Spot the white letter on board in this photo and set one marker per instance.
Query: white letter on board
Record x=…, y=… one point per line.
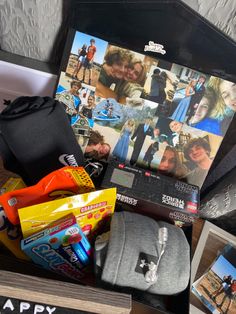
x=9, y=305
x=24, y=306
x=50, y=311
x=38, y=309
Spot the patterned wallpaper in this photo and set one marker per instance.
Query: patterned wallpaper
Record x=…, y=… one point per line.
x=31, y=27
x=222, y=13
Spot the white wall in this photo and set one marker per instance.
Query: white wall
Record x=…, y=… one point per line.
x=30, y=27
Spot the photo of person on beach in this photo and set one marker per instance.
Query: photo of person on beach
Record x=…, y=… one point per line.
x=85, y=58
x=87, y=62
x=82, y=52
x=216, y=289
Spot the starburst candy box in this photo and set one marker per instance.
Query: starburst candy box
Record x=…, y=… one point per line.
x=62, y=248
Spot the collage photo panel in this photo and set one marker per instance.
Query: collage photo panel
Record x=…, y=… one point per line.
x=199, y=102
x=142, y=111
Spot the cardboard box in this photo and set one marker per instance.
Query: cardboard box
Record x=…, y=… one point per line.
x=62, y=248
x=153, y=193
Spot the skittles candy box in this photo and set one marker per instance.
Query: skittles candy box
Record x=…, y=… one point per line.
x=62, y=248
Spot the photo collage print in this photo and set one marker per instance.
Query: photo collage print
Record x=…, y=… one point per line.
x=144, y=111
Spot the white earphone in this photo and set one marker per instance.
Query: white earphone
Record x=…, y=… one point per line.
x=151, y=275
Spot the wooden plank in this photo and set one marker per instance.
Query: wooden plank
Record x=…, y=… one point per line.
x=197, y=229
x=63, y=294
x=15, y=306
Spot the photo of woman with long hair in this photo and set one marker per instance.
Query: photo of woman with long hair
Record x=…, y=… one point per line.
x=170, y=163
x=120, y=151
x=122, y=75
x=226, y=101
x=132, y=84
x=180, y=112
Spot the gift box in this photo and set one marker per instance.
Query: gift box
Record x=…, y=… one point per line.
x=133, y=26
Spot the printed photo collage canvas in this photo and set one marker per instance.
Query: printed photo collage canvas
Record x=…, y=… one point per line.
x=139, y=110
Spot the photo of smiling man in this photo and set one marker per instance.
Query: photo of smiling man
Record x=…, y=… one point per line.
x=197, y=151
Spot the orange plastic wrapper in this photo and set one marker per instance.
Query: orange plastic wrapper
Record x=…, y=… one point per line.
x=61, y=183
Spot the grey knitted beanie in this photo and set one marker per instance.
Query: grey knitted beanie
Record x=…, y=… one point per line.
x=134, y=249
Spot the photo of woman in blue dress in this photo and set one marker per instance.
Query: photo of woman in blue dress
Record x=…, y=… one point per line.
x=181, y=111
x=120, y=151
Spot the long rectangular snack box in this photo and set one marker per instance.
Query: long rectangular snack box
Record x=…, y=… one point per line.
x=153, y=193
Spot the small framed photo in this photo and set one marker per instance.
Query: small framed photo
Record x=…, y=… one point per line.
x=213, y=278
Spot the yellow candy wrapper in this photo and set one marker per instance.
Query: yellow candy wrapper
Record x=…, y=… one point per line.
x=89, y=209
x=10, y=235
x=12, y=184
